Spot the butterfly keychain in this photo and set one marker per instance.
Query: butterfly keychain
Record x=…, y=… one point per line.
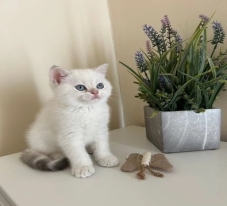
x=147, y=161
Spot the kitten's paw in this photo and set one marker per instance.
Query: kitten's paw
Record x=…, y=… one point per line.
x=109, y=161
x=83, y=171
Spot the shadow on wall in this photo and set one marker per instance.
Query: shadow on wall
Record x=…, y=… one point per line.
x=91, y=47
x=18, y=102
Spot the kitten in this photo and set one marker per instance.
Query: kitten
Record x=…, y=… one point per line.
x=75, y=118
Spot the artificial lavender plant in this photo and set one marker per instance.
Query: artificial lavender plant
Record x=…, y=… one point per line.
x=173, y=75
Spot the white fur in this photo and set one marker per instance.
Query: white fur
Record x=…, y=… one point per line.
x=74, y=119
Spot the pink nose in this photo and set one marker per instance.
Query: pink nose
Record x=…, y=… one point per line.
x=94, y=91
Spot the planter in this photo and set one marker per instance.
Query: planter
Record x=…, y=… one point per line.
x=183, y=131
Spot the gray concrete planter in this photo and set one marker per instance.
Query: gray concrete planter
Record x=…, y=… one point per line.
x=183, y=131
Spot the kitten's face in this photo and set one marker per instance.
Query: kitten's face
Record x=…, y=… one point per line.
x=81, y=86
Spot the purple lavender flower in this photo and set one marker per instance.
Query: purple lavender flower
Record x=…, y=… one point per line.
x=163, y=22
x=140, y=61
x=219, y=33
x=178, y=41
x=172, y=35
x=156, y=39
x=149, y=31
x=217, y=25
x=166, y=23
x=162, y=82
x=178, y=38
x=149, y=49
x=163, y=28
x=204, y=19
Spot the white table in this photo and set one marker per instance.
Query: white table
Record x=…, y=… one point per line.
x=198, y=179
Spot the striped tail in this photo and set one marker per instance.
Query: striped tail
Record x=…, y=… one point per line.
x=42, y=162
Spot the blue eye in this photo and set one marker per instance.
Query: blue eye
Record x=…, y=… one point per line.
x=80, y=87
x=100, y=86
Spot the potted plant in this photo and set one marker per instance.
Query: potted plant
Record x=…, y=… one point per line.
x=180, y=80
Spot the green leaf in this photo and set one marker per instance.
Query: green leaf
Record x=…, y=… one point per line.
x=212, y=66
x=198, y=95
x=214, y=81
x=222, y=69
x=217, y=89
x=223, y=81
x=203, y=52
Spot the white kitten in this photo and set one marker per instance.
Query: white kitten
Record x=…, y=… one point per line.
x=76, y=117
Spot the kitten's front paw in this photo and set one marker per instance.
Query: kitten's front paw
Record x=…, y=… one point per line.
x=83, y=171
x=109, y=161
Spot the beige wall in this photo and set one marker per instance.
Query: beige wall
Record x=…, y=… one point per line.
x=128, y=17
x=36, y=34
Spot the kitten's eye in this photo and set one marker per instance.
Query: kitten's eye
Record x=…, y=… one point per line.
x=80, y=87
x=100, y=86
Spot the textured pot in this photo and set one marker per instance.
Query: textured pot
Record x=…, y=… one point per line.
x=182, y=131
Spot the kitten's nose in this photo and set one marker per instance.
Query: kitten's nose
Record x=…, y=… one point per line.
x=94, y=91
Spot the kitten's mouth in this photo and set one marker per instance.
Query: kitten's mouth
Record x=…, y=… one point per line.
x=95, y=97
x=91, y=98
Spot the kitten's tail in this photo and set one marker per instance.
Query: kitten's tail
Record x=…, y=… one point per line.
x=40, y=161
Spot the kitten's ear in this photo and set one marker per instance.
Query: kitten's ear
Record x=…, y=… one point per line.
x=102, y=69
x=57, y=74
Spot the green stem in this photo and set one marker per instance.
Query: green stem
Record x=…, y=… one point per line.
x=213, y=50
x=146, y=75
x=169, y=37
